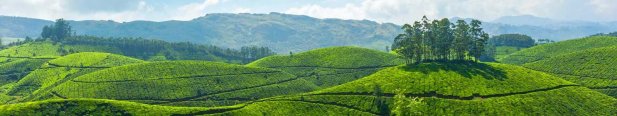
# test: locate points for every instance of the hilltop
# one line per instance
(327, 67)
(593, 68)
(545, 51)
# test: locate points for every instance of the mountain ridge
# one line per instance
(284, 32)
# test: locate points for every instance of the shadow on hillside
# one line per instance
(465, 69)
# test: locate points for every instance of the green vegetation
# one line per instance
(99, 107)
(440, 40)
(328, 81)
(327, 67)
(451, 79)
(593, 68)
(545, 51)
(62, 69)
(58, 31)
(333, 57)
(13, 70)
(92, 59)
(444, 89)
(31, 50)
(514, 40)
(503, 51)
(180, 83)
(507, 44)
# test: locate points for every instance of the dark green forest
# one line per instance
(62, 33)
(441, 40)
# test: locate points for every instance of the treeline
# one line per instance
(148, 49)
(606, 34)
(514, 40)
(441, 40)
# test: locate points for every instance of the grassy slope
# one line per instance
(34, 49)
(450, 89)
(64, 68)
(461, 80)
(554, 49)
(503, 51)
(594, 68)
(98, 107)
(332, 66)
(207, 83)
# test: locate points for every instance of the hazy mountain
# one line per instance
(525, 20)
(284, 32)
(544, 28)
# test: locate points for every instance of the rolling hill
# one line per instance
(545, 51)
(184, 83)
(464, 89)
(60, 70)
(327, 67)
(327, 81)
(592, 68)
(99, 107)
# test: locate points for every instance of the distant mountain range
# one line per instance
(285, 32)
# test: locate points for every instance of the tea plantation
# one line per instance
(331, 66)
(327, 81)
(593, 68)
(545, 51)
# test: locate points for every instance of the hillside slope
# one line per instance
(183, 83)
(62, 69)
(331, 66)
(593, 68)
(99, 107)
(554, 49)
(464, 89)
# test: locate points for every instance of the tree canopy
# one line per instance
(515, 40)
(58, 31)
(441, 40)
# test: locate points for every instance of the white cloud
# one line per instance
(349, 11)
(401, 11)
(193, 10)
(134, 10)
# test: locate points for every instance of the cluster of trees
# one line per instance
(252, 53)
(514, 40)
(58, 31)
(441, 40)
(149, 48)
(606, 34)
(544, 41)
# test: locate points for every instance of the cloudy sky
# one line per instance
(396, 11)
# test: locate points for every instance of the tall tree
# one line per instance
(477, 42)
(461, 39)
(58, 31)
(62, 29)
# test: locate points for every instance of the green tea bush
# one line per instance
(545, 51)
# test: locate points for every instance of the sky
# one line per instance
(393, 11)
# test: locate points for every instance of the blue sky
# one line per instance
(396, 11)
